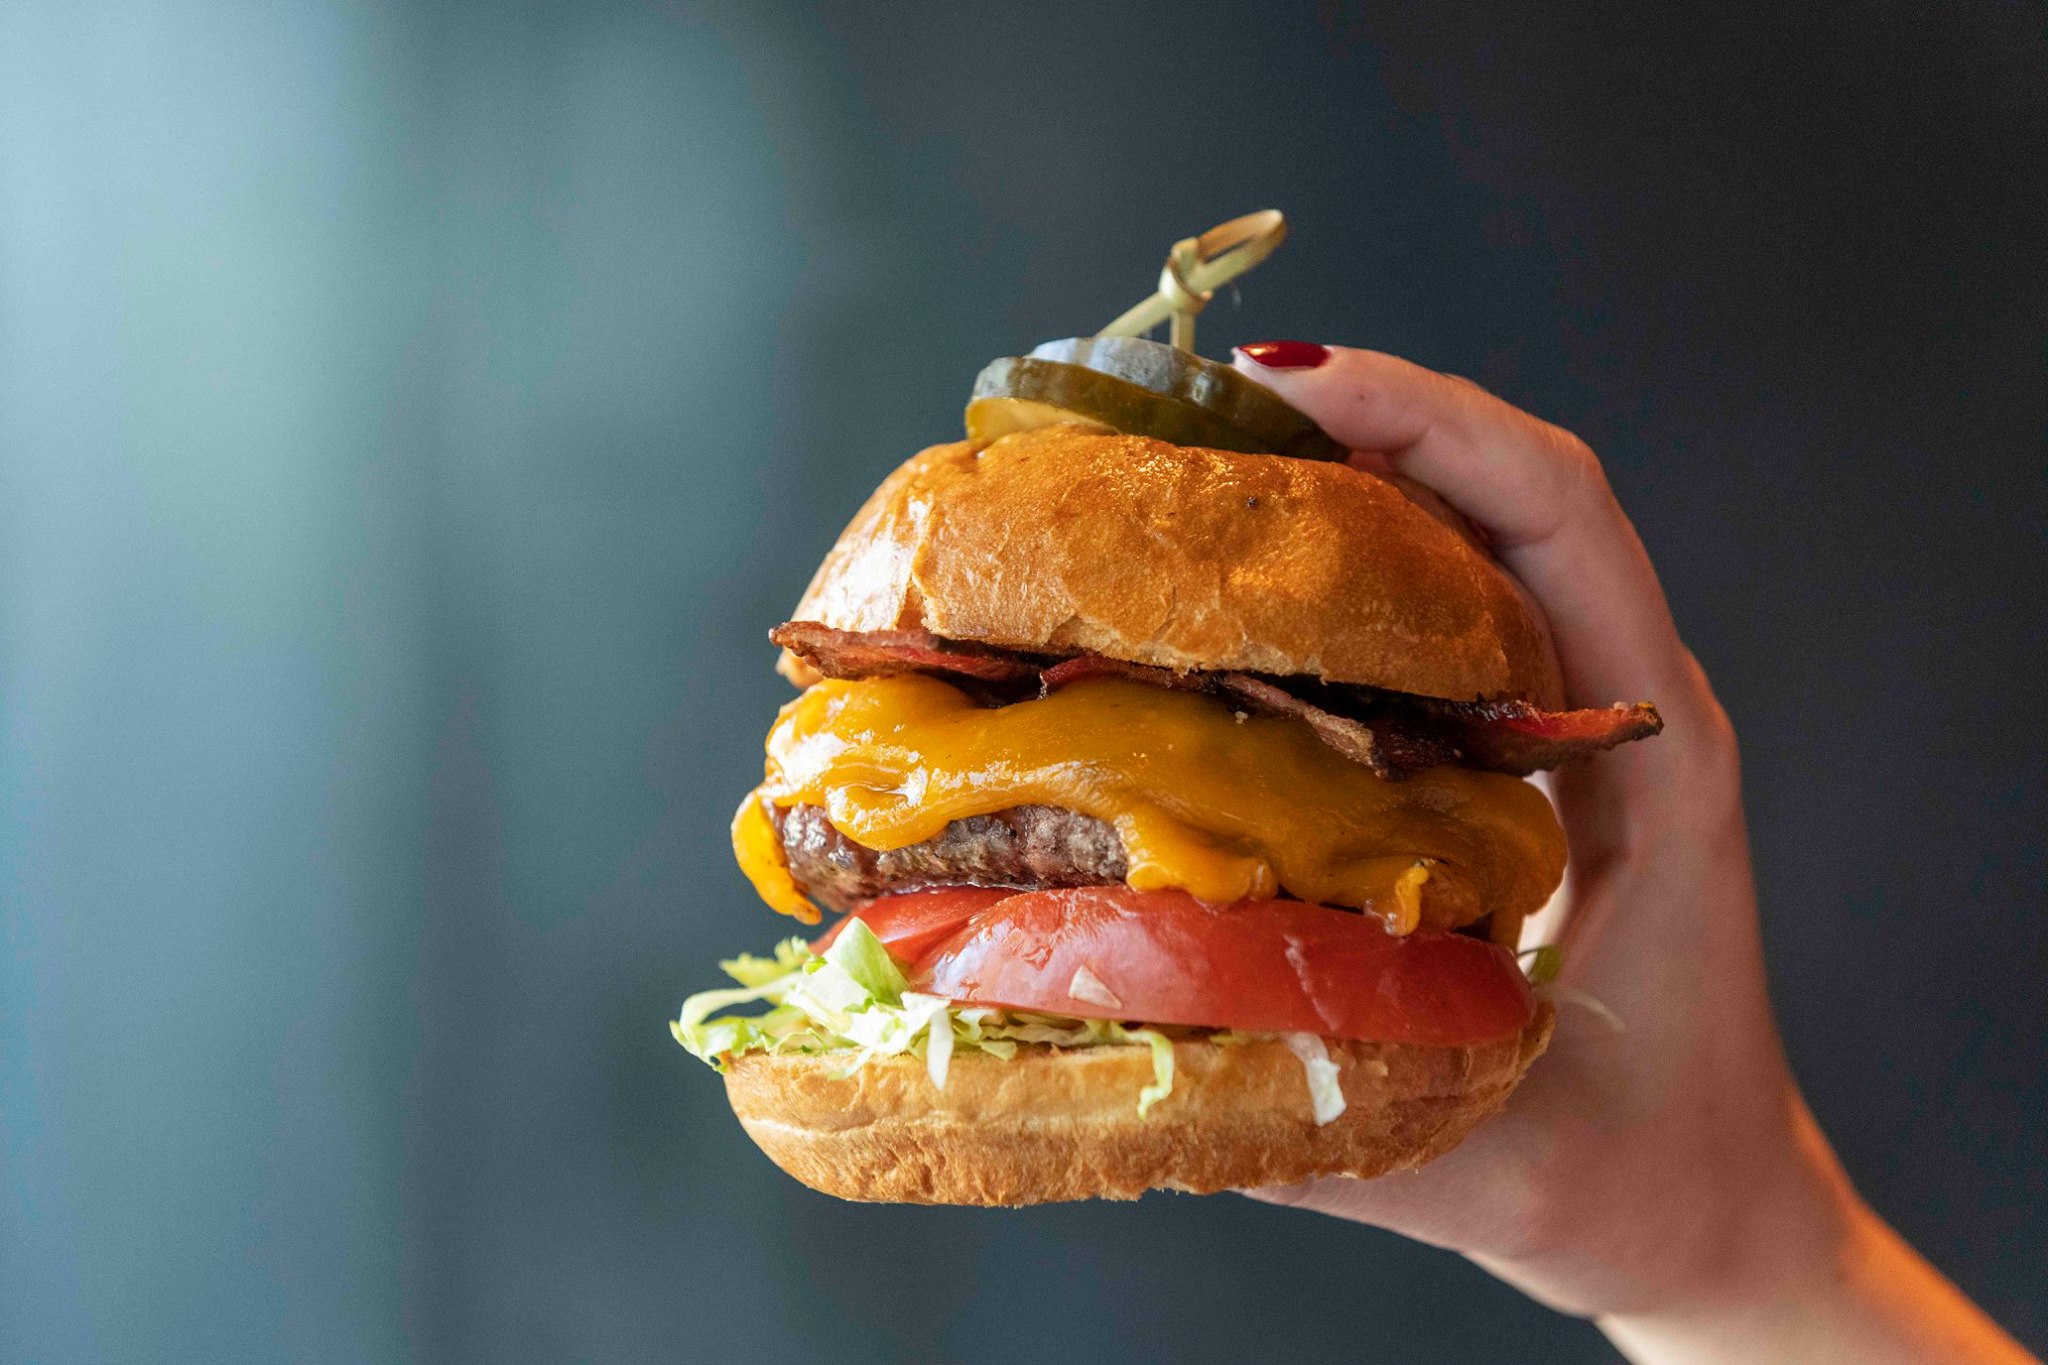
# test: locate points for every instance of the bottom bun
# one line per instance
(1053, 1124)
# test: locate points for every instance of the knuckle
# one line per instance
(1581, 476)
(1562, 482)
(1717, 754)
(1717, 729)
(1707, 753)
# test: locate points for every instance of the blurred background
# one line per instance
(413, 415)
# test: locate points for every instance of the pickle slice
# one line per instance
(1018, 393)
(1265, 420)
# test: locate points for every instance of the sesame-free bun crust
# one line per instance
(1054, 1125)
(1062, 541)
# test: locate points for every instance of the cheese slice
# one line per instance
(1205, 799)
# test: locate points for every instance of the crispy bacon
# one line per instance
(880, 653)
(1351, 738)
(1393, 733)
(1102, 666)
(1515, 737)
(1389, 741)
(1389, 744)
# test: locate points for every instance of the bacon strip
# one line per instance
(1393, 733)
(1352, 738)
(1102, 666)
(1515, 737)
(1392, 755)
(881, 653)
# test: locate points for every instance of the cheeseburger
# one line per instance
(1163, 775)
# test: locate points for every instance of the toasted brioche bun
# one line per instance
(1053, 1125)
(1060, 541)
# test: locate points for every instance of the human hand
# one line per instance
(1657, 1169)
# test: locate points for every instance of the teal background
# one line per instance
(412, 417)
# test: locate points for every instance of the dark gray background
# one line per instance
(412, 416)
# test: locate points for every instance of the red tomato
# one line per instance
(912, 923)
(1167, 958)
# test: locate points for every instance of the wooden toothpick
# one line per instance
(1195, 268)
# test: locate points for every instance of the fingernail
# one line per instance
(1286, 355)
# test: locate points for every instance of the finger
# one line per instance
(1536, 489)
(1449, 1203)
(1382, 1203)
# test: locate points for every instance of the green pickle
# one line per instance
(1140, 388)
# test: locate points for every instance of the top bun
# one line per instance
(1061, 541)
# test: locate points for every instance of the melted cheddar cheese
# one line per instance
(1206, 799)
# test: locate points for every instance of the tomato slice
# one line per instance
(912, 923)
(1163, 957)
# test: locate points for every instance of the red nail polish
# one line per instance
(1286, 355)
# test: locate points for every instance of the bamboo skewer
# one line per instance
(1195, 268)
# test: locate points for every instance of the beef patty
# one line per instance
(1032, 848)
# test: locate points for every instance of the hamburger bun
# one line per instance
(1061, 541)
(1054, 1125)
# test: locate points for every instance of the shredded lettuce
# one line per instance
(856, 999)
(1586, 1000)
(1541, 967)
(938, 1049)
(749, 970)
(1162, 1064)
(864, 959)
(1325, 1094)
(1542, 963)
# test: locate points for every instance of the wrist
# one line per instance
(1818, 1276)
(1711, 1230)
(1761, 1289)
